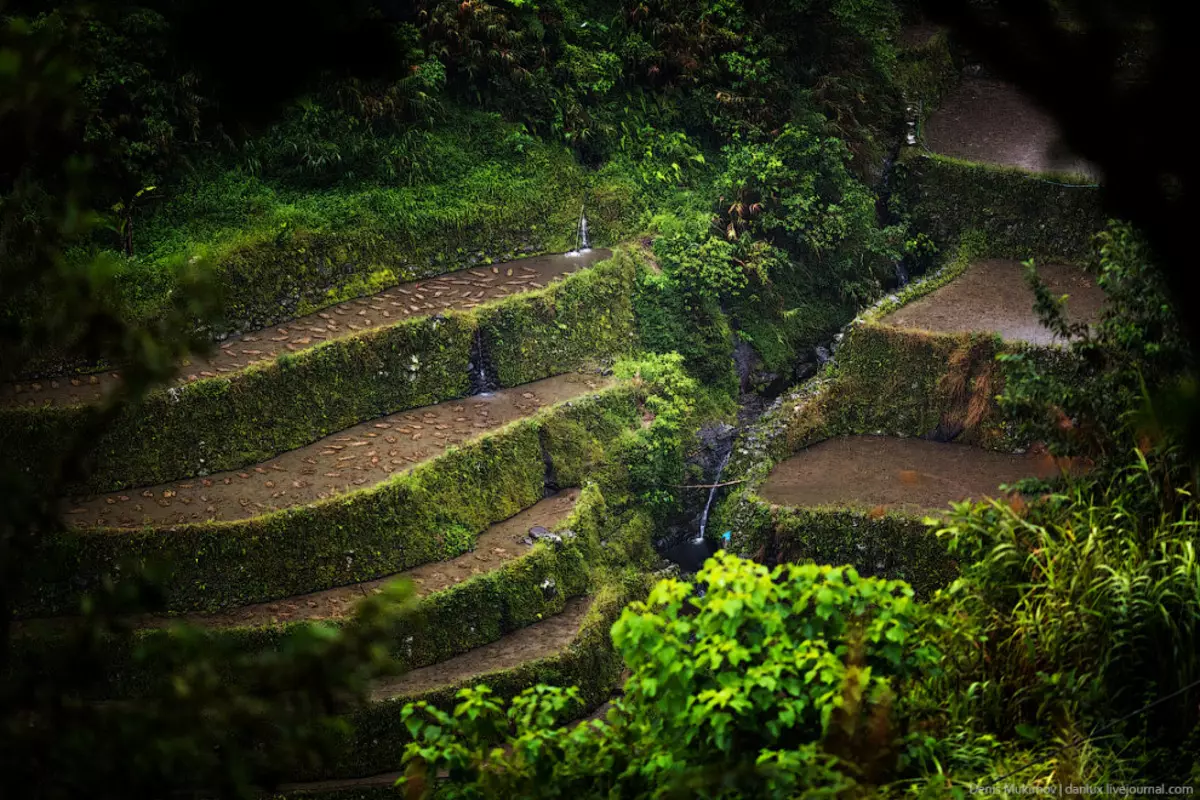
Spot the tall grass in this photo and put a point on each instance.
(1073, 614)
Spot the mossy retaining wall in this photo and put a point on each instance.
(539, 334)
(1023, 215)
(894, 546)
(442, 625)
(890, 545)
(428, 514)
(912, 383)
(265, 281)
(224, 423)
(885, 380)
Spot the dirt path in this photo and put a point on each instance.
(463, 289)
(990, 121)
(351, 459)
(911, 475)
(992, 296)
(540, 640)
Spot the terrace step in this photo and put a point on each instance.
(461, 290)
(531, 643)
(885, 473)
(991, 296)
(357, 457)
(495, 547)
(992, 122)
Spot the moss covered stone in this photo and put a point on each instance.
(535, 335)
(1022, 215)
(223, 423)
(442, 625)
(428, 514)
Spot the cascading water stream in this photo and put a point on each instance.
(712, 492)
(583, 242)
(483, 381)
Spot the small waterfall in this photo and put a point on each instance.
(712, 492)
(583, 242)
(484, 381)
(901, 273)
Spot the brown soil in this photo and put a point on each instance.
(463, 289)
(494, 548)
(888, 473)
(537, 641)
(992, 297)
(992, 122)
(352, 459)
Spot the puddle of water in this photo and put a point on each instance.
(462, 289)
(991, 122)
(351, 459)
(991, 296)
(893, 474)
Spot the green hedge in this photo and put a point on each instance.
(1022, 215)
(222, 423)
(893, 546)
(913, 383)
(377, 742)
(545, 333)
(429, 514)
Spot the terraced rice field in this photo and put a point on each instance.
(894, 474)
(460, 290)
(351, 459)
(991, 296)
(537, 641)
(989, 121)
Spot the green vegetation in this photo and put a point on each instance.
(1023, 216)
(756, 694)
(174, 171)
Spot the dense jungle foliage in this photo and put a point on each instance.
(158, 159)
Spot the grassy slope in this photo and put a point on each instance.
(478, 189)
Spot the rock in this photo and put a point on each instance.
(549, 588)
(539, 534)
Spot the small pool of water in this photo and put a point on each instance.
(889, 473)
